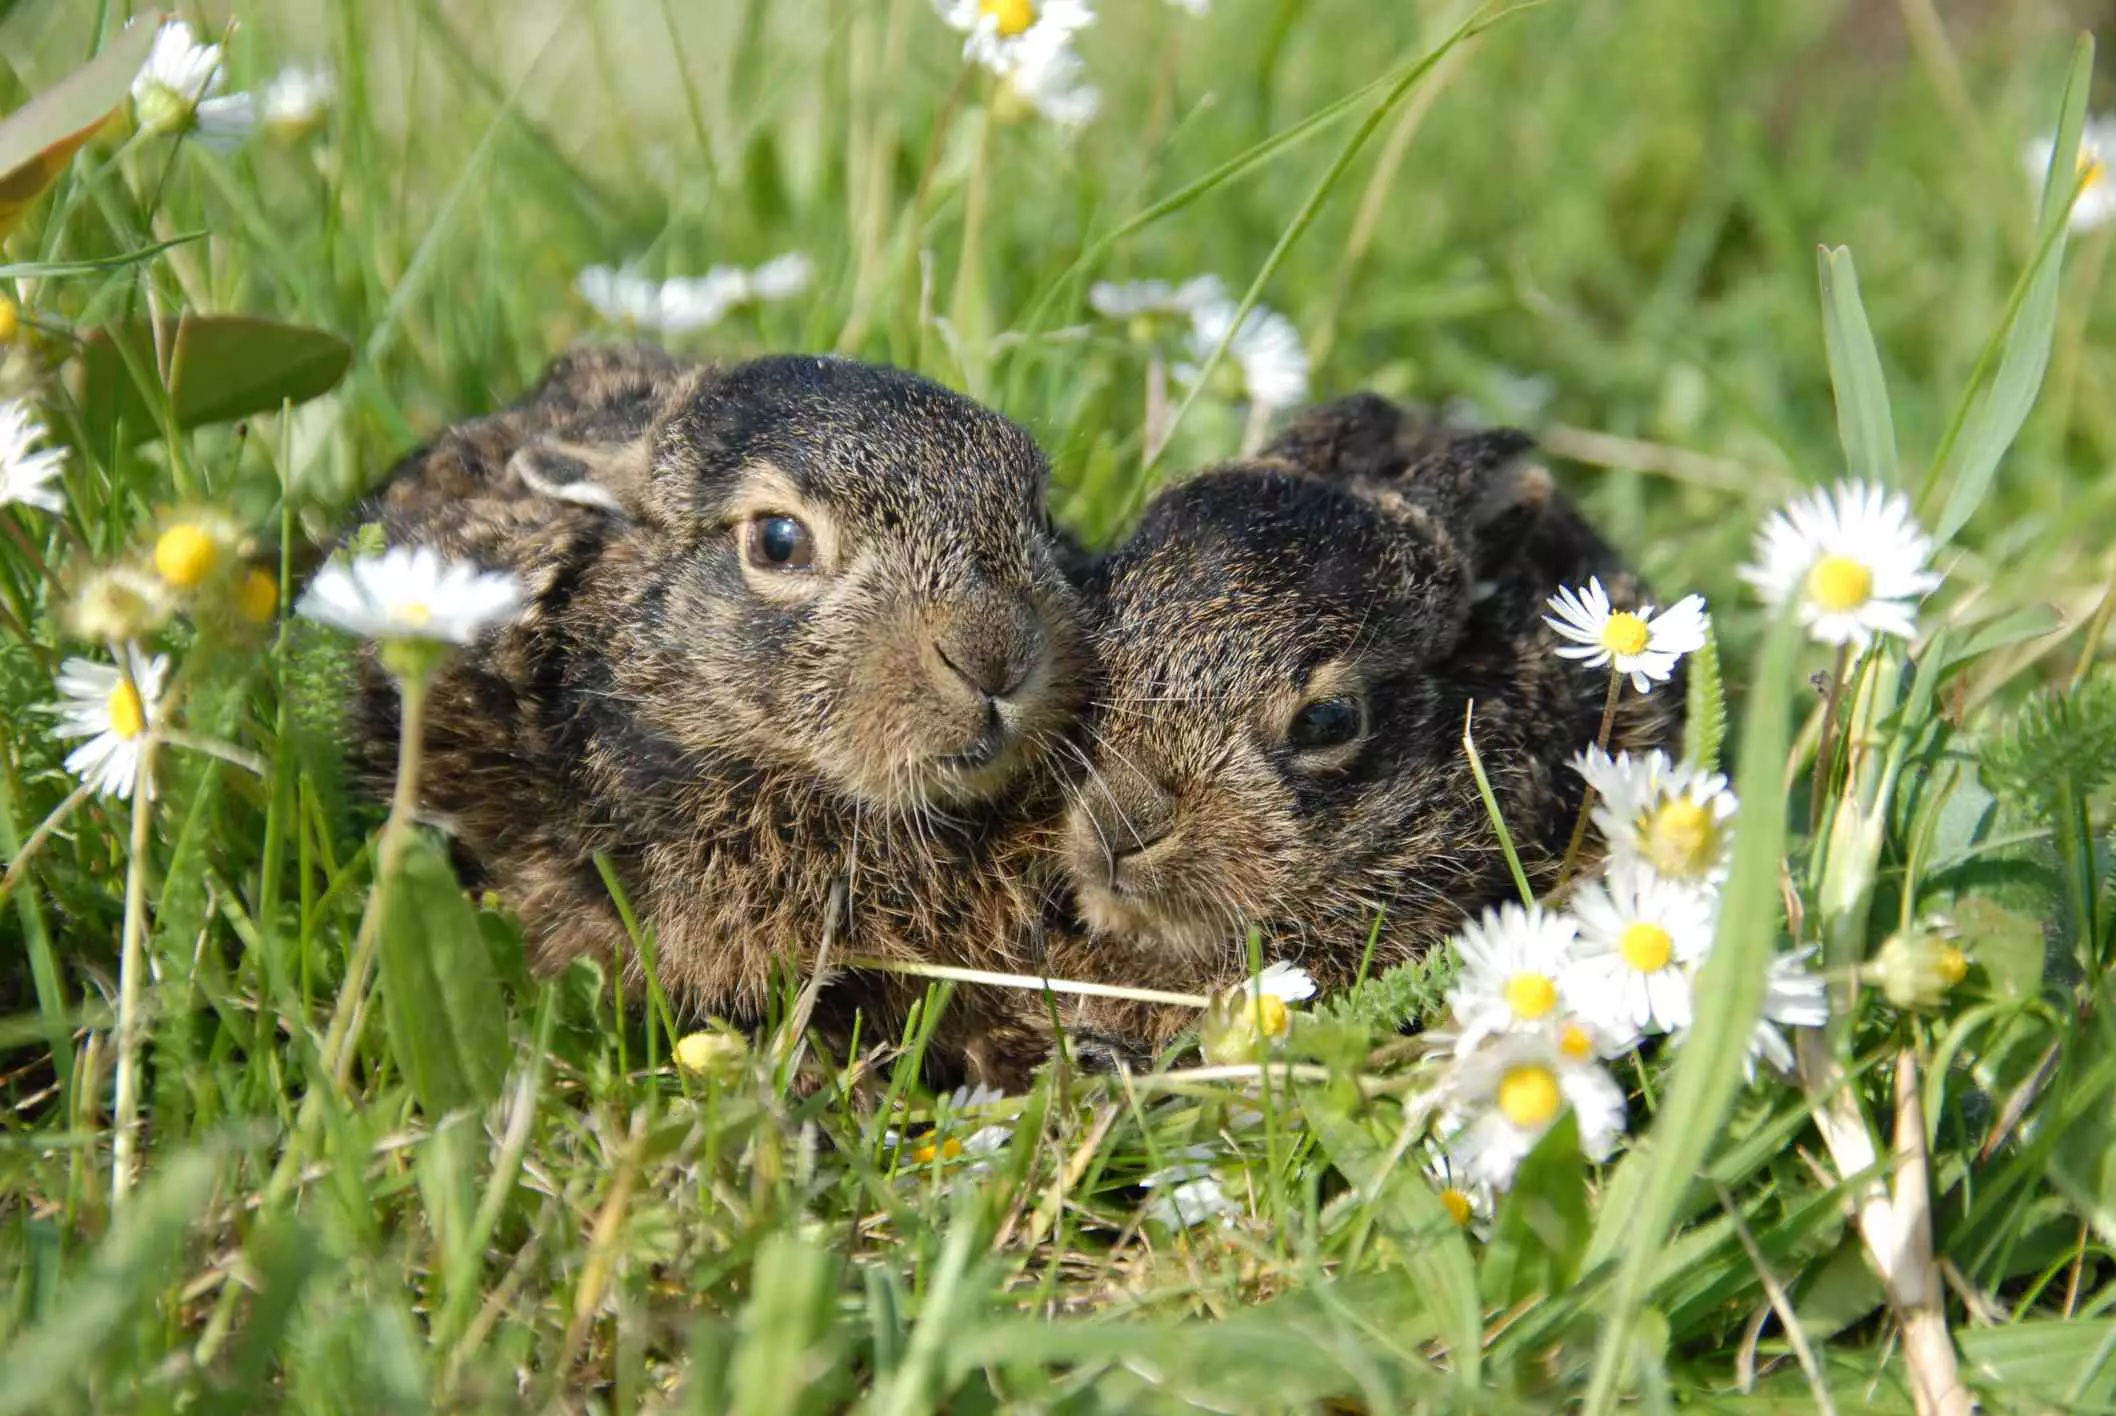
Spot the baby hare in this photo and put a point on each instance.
(796, 647)
(1289, 648)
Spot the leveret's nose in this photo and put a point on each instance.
(993, 648)
(1129, 820)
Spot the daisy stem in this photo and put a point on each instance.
(344, 1032)
(1156, 406)
(131, 965)
(1255, 428)
(1825, 747)
(1579, 825)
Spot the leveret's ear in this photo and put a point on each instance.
(611, 477)
(1482, 491)
(1362, 436)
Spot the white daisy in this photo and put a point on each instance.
(1639, 935)
(2097, 148)
(1915, 969)
(1468, 1202)
(1502, 1098)
(113, 709)
(410, 593)
(782, 277)
(1005, 35)
(296, 99)
(1792, 997)
(1513, 972)
(178, 91)
(624, 296)
(1128, 300)
(1852, 559)
(1638, 642)
(1265, 349)
(1253, 1013)
(1052, 80)
(28, 478)
(1673, 818)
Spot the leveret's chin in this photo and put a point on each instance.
(1144, 928)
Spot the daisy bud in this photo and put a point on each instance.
(713, 1053)
(1915, 969)
(1253, 1015)
(118, 605)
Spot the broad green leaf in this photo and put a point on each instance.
(221, 367)
(2070, 1365)
(88, 1319)
(1864, 424)
(1641, 1201)
(2031, 324)
(38, 139)
(1543, 1223)
(447, 1018)
(788, 1327)
(2008, 947)
(1434, 1247)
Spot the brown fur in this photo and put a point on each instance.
(746, 748)
(1366, 553)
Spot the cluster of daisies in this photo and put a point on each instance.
(204, 564)
(181, 91)
(1027, 45)
(626, 297)
(1548, 996)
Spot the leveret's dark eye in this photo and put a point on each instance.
(1327, 722)
(779, 543)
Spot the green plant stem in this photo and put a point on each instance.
(1825, 745)
(132, 965)
(1601, 740)
(340, 1041)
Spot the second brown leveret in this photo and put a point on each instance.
(1290, 647)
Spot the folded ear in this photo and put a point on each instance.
(599, 451)
(611, 477)
(1480, 488)
(1361, 435)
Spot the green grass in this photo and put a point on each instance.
(1623, 198)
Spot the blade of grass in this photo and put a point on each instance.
(1864, 423)
(1642, 1200)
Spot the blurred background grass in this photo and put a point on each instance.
(1598, 219)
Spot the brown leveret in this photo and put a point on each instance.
(797, 641)
(1288, 647)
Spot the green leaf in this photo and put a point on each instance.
(1704, 705)
(447, 1018)
(38, 139)
(2064, 1365)
(1543, 1225)
(88, 1319)
(2008, 947)
(1435, 1250)
(788, 1328)
(221, 367)
(2030, 326)
(1642, 1199)
(1864, 424)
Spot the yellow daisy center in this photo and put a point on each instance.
(10, 321)
(1838, 583)
(1646, 947)
(1625, 634)
(1531, 995)
(186, 554)
(1012, 18)
(1528, 1096)
(927, 1153)
(2091, 170)
(259, 596)
(1267, 1013)
(1679, 838)
(128, 716)
(1574, 1042)
(1952, 964)
(1458, 1205)
(416, 613)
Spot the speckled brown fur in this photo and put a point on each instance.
(1367, 552)
(744, 749)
